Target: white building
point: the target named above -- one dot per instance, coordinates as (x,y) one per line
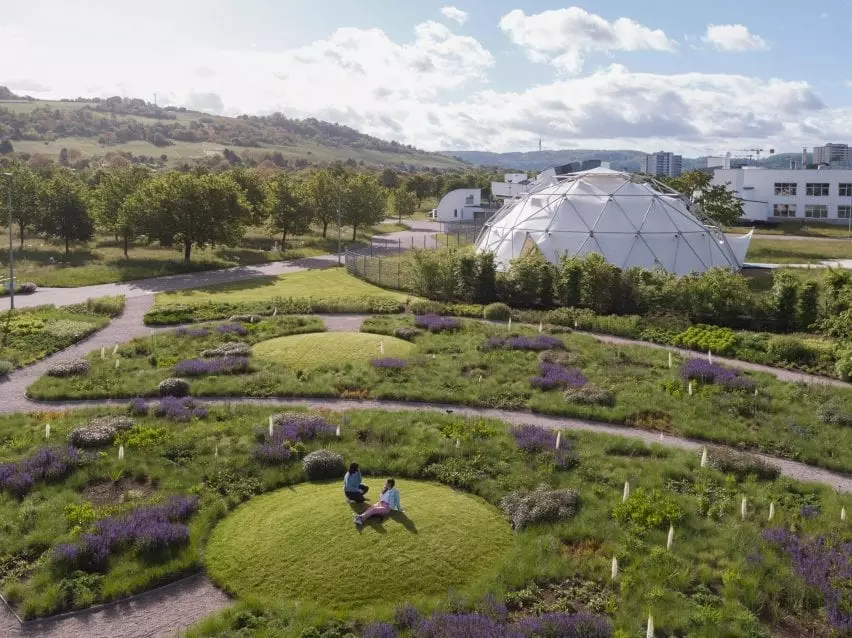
(663,164)
(779,194)
(831,154)
(459,205)
(513,184)
(627,220)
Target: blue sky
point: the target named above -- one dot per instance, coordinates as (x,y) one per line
(693,77)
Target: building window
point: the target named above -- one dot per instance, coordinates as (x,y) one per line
(784,210)
(816,190)
(785,188)
(816,211)
(844,190)
(844,212)
(468,200)
(455,212)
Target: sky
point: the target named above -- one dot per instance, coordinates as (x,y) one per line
(695,78)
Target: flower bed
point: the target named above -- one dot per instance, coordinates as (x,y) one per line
(437,323)
(47,464)
(389,363)
(537,343)
(553,375)
(180,409)
(217,365)
(706,372)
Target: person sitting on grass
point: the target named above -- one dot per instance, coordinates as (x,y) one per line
(389,502)
(352,486)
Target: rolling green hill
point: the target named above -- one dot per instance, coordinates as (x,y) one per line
(96,127)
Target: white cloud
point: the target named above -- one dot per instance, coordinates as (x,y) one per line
(734,37)
(455,14)
(566,37)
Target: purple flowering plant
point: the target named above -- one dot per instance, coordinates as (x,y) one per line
(389,363)
(138,407)
(554,375)
(289,429)
(46,464)
(217,365)
(180,409)
(148,529)
(436,323)
(232,329)
(193,333)
(706,372)
(537,343)
(534,438)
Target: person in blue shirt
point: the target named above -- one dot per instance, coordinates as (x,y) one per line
(389,502)
(352,486)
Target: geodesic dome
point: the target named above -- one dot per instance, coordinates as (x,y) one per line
(629,220)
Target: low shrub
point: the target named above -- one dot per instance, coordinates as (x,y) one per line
(173,387)
(233,349)
(559,357)
(46,464)
(26,288)
(323,464)
(541,505)
(537,343)
(116,421)
(705,372)
(297,426)
(406,333)
(461,472)
(92,436)
(534,438)
(137,407)
(389,363)
(68,368)
(497,312)
(741,464)
(792,350)
(644,510)
(192,333)
(590,395)
(245,318)
(707,338)
(834,414)
(110,306)
(68,329)
(232,329)
(6,367)
(628,447)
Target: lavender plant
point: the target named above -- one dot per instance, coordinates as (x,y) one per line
(192,333)
(180,409)
(389,363)
(705,372)
(138,407)
(218,365)
(436,323)
(46,464)
(538,343)
(553,375)
(232,329)
(534,438)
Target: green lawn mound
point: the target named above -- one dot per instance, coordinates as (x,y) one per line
(330,348)
(299,545)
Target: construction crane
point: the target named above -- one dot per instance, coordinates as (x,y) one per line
(756,151)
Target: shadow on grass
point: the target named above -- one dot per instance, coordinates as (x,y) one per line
(377,523)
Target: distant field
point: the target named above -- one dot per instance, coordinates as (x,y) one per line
(799,228)
(797,252)
(182,151)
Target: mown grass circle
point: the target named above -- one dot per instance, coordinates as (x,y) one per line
(299,545)
(330,348)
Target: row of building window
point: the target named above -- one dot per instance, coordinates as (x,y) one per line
(813,211)
(818,189)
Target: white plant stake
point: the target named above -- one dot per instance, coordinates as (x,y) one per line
(558,439)
(117,363)
(670,539)
(704,457)
(576,324)
(458,443)
(480,378)
(626,493)
(614,573)
(509,325)
(103,352)
(842,513)
(689,388)
(744,507)
(381,346)
(661,436)
(271,425)
(541,326)
(649,633)
(47,430)
(771,511)
(670,359)
(337,432)
(120,452)
(710,357)
(216,452)
(115,350)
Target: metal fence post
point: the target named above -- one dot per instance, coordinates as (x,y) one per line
(380,271)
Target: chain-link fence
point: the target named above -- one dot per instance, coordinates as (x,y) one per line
(385,262)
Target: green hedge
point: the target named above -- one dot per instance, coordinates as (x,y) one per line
(190,313)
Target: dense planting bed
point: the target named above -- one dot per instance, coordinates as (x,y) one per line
(81,525)
(30,334)
(630,385)
(308,351)
(299,544)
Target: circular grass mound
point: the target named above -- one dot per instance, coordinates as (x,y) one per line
(330,348)
(300,545)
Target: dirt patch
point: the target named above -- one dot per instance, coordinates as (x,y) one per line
(115,492)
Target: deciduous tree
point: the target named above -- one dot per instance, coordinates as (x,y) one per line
(109,203)
(66,213)
(324,193)
(289,207)
(402,202)
(27,190)
(715,202)
(363,203)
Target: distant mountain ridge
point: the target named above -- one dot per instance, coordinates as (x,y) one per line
(622,160)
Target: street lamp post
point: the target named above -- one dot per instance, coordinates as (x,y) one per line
(8,177)
(339,245)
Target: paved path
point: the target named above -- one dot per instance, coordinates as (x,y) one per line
(420,234)
(165,611)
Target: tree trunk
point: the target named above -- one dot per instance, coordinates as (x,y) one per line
(187,250)
(324,228)
(354,232)
(67,240)
(22,235)
(125,246)
(283,240)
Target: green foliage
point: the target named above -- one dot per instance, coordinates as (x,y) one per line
(497,312)
(323,464)
(288,206)
(785,298)
(469,429)
(741,464)
(65,212)
(792,350)
(143,436)
(529,281)
(363,202)
(460,471)
(707,338)
(808,309)
(485,288)
(6,367)
(645,510)
(540,505)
